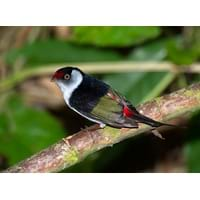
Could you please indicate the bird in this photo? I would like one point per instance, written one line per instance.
(97, 101)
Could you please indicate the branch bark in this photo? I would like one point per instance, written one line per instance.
(75, 148)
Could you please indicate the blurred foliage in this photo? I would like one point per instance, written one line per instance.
(192, 152)
(24, 130)
(113, 36)
(55, 51)
(140, 86)
(153, 51)
(192, 148)
(180, 54)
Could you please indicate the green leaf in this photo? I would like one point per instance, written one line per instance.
(55, 51)
(180, 54)
(25, 130)
(149, 52)
(192, 156)
(192, 147)
(113, 36)
(139, 87)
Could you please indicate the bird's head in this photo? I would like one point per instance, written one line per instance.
(68, 78)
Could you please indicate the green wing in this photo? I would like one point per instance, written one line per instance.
(109, 110)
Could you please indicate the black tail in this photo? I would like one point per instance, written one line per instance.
(145, 120)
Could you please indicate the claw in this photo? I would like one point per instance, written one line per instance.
(157, 134)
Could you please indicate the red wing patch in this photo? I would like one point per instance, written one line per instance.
(127, 112)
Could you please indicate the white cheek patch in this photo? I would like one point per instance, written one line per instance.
(68, 87)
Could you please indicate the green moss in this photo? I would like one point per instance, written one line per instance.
(111, 133)
(158, 101)
(192, 93)
(71, 156)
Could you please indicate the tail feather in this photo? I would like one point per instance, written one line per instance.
(146, 120)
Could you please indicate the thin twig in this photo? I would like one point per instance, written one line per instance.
(98, 68)
(75, 148)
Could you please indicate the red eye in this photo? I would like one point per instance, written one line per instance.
(66, 76)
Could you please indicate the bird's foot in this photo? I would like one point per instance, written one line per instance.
(102, 125)
(157, 134)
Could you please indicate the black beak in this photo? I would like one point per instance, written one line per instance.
(53, 78)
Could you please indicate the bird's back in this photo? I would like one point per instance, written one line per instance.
(87, 95)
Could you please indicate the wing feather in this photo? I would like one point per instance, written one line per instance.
(109, 110)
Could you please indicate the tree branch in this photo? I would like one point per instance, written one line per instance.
(75, 148)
